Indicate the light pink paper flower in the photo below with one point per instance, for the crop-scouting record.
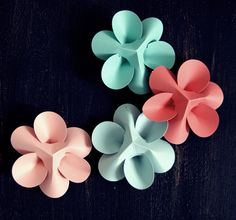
(52, 155)
(188, 102)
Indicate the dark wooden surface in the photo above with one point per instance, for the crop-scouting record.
(46, 64)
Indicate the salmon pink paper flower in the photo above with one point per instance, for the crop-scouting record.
(187, 102)
(52, 155)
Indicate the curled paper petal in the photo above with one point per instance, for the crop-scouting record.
(162, 80)
(108, 134)
(160, 107)
(55, 185)
(152, 29)
(193, 75)
(203, 120)
(127, 26)
(133, 46)
(159, 53)
(104, 44)
(139, 172)
(117, 72)
(135, 157)
(78, 141)
(214, 95)
(74, 168)
(178, 131)
(161, 155)
(50, 127)
(191, 101)
(23, 139)
(29, 171)
(139, 83)
(126, 115)
(52, 155)
(111, 168)
(150, 130)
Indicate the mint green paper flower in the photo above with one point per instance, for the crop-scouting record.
(132, 147)
(133, 46)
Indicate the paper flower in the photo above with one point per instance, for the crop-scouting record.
(188, 102)
(132, 45)
(132, 147)
(52, 155)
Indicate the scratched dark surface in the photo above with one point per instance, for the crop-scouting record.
(46, 64)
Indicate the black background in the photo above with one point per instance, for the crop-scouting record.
(46, 63)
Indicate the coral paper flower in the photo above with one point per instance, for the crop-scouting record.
(133, 45)
(188, 102)
(132, 147)
(52, 155)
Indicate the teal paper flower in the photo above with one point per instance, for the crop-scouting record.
(132, 147)
(133, 46)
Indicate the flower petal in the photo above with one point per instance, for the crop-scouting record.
(127, 26)
(79, 141)
(162, 80)
(117, 72)
(108, 137)
(50, 127)
(29, 170)
(74, 168)
(193, 75)
(160, 107)
(139, 83)
(159, 53)
(111, 168)
(161, 155)
(203, 120)
(23, 139)
(178, 131)
(139, 172)
(150, 130)
(213, 95)
(55, 185)
(104, 44)
(126, 115)
(152, 29)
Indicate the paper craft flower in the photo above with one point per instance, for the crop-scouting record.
(132, 45)
(52, 155)
(188, 102)
(132, 147)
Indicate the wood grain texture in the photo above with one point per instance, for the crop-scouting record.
(46, 63)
